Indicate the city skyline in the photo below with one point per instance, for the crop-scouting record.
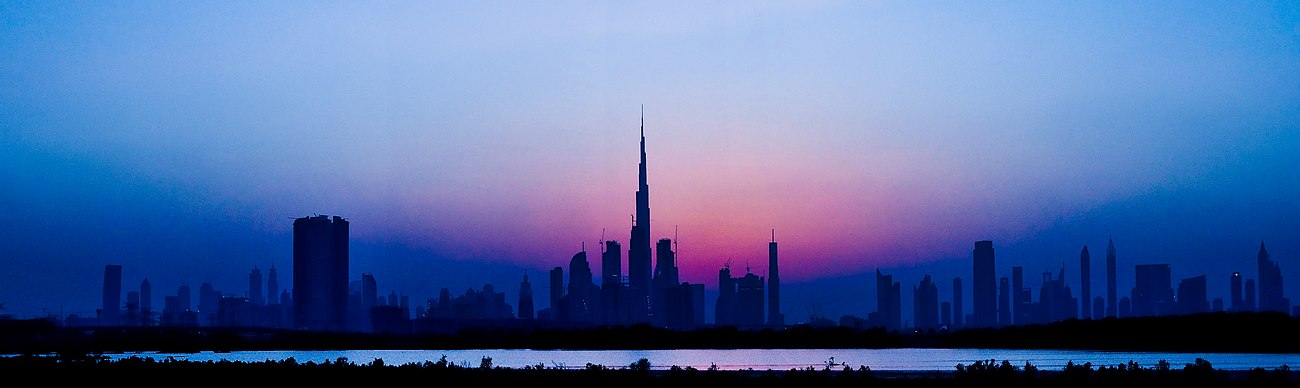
(178, 141)
(329, 301)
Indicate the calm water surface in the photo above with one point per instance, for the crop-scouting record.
(757, 359)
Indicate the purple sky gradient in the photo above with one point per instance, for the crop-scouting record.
(469, 142)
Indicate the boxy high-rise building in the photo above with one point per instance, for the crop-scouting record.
(320, 273)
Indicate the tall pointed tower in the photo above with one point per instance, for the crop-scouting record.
(774, 316)
(638, 255)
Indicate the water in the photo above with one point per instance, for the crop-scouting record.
(907, 359)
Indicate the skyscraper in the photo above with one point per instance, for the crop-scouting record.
(1112, 294)
(146, 302)
(665, 280)
(559, 311)
(208, 303)
(320, 273)
(612, 296)
(582, 293)
(183, 296)
(272, 287)
(985, 290)
(611, 265)
(525, 299)
(1153, 293)
(1192, 298)
(889, 312)
(1249, 300)
(1238, 304)
(774, 316)
(1004, 302)
(369, 293)
(1020, 297)
(111, 312)
(255, 286)
(724, 309)
(1085, 286)
(638, 255)
(958, 319)
(1270, 293)
(749, 300)
(925, 305)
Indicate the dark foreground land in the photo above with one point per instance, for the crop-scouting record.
(40, 349)
(94, 369)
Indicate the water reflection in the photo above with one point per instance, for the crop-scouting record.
(757, 359)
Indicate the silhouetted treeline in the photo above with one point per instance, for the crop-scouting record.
(1212, 332)
(98, 369)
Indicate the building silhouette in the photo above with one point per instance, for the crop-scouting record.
(665, 282)
(945, 315)
(208, 304)
(638, 255)
(146, 303)
(985, 288)
(255, 286)
(320, 273)
(582, 294)
(958, 319)
(774, 316)
(1004, 301)
(1270, 284)
(925, 305)
(1085, 283)
(1192, 297)
(889, 314)
(557, 310)
(366, 298)
(183, 296)
(525, 299)
(131, 315)
(726, 303)
(1249, 299)
(1055, 301)
(690, 312)
(1237, 300)
(110, 314)
(272, 287)
(1153, 293)
(1021, 297)
(749, 300)
(1112, 295)
(613, 295)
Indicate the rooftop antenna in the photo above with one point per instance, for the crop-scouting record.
(642, 120)
(676, 250)
(773, 234)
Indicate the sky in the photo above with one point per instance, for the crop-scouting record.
(471, 143)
